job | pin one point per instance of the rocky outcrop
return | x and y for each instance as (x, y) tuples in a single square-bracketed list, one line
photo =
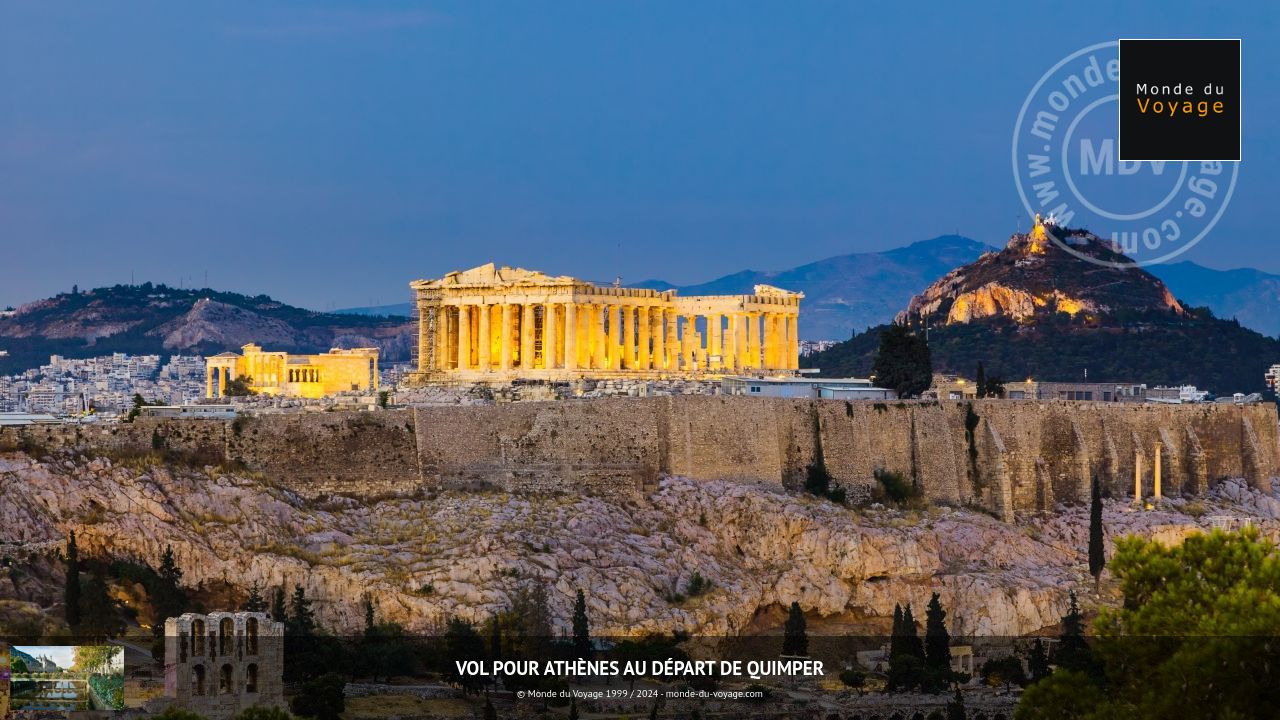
[(428, 557), (1035, 275), (210, 322)]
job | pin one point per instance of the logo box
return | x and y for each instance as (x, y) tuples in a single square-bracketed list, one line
[(1179, 100)]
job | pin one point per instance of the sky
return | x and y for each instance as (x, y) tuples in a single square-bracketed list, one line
[(64, 656), (328, 153)]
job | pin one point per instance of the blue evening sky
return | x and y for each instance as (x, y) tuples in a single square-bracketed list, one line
[(328, 153)]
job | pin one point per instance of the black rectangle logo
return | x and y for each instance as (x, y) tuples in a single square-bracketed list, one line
[(1179, 100)]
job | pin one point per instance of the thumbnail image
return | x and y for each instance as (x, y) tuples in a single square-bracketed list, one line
[(67, 677)]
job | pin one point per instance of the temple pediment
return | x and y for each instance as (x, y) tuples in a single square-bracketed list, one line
[(771, 291), (490, 275)]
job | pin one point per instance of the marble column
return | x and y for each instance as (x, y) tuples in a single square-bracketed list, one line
[(464, 337), (689, 343), (424, 319), (550, 341), (715, 344), (793, 341), (658, 329), (753, 340), (505, 339), (614, 360), (628, 337), (729, 347), (642, 343), (570, 336), (485, 339), (208, 381), (769, 339), (599, 341), (444, 338), (673, 340), (527, 327)]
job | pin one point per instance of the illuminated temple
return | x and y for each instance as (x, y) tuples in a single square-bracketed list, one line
[(501, 324), (280, 373)]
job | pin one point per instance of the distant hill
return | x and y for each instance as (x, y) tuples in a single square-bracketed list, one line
[(395, 310), (847, 292), (1034, 310), (1248, 295), (156, 319)]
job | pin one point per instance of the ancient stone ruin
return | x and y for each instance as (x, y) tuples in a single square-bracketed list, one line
[(219, 664)]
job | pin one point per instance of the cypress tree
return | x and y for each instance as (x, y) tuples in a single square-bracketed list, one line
[(911, 634), (573, 709), (71, 596), (489, 712), (895, 639), (302, 620), (981, 381), (255, 602), (278, 612), (937, 645), (1073, 652), (1097, 554), (795, 639), (1038, 662), (368, 615), (581, 628)]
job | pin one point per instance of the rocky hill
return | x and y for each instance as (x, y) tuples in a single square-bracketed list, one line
[(155, 319), (1034, 278), (1033, 309), (464, 554)]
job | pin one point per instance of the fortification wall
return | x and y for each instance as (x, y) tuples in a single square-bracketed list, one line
[(1009, 456)]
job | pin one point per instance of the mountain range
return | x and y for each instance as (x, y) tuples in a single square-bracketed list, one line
[(156, 319), (847, 293)]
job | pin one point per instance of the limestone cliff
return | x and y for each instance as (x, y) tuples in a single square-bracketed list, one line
[(428, 556)]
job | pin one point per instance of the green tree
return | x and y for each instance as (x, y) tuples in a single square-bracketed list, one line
[(903, 363), (71, 595), (955, 708), (937, 646), (321, 698), (258, 712), (1037, 662), (255, 602), (980, 381), (240, 386), (490, 713), (278, 608), (168, 599), (98, 611), (573, 709), (1097, 551), (795, 638), (1193, 638), (906, 655), (173, 712), (462, 644), (1004, 671), (301, 621), (1073, 652), (368, 615), (581, 628)]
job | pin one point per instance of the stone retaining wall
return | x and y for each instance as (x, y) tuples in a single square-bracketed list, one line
[(1006, 455)]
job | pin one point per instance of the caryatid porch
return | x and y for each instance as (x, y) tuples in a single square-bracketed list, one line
[(501, 324)]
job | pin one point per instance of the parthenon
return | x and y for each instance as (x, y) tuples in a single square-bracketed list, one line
[(497, 324)]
